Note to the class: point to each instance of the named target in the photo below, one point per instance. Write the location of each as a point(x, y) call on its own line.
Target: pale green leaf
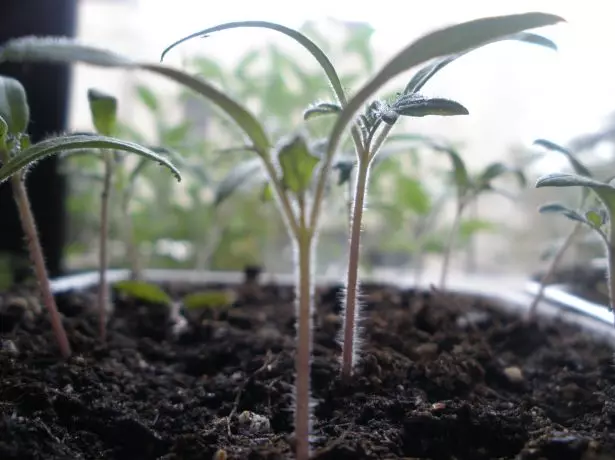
point(141, 290)
point(14, 107)
point(449, 40)
point(56, 145)
point(244, 173)
point(308, 44)
point(103, 108)
point(298, 164)
point(426, 73)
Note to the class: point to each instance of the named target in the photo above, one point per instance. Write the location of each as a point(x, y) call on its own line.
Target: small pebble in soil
point(220, 455)
point(514, 374)
point(9, 347)
point(253, 424)
point(472, 318)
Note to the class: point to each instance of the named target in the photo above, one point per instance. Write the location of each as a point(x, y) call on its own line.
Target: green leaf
point(208, 299)
point(238, 177)
point(557, 208)
point(14, 108)
point(148, 98)
point(141, 290)
point(103, 108)
point(470, 227)
point(266, 193)
point(297, 163)
point(449, 40)
point(578, 167)
point(426, 73)
point(308, 44)
point(419, 106)
point(57, 145)
point(412, 195)
point(605, 192)
point(4, 128)
point(460, 172)
point(321, 108)
point(497, 169)
point(60, 50)
point(595, 218)
point(67, 50)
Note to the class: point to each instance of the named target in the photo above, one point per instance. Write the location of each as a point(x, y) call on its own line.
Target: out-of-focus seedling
point(298, 178)
point(598, 219)
point(470, 188)
point(556, 258)
point(18, 154)
point(211, 303)
point(143, 291)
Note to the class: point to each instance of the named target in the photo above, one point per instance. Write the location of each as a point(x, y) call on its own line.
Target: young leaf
point(419, 106)
point(103, 108)
point(497, 169)
point(426, 73)
point(604, 191)
point(297, 163)
point(557, 208)
point(14, 107)
point(578, 167)
point(449, 40)
point(308, 44)
point(595, 218)
point(470, 227)
point(460, 172)
point(60, 50)
point(238, 177)
point(412, 195)
point(66, 50)
point(57, 145)
point(208, 299)
point(322, 108)
point(141, 290)
point(148, 98)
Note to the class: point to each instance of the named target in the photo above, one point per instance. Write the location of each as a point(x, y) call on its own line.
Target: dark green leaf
point(321, 108)
point(58, 145)
point(449, 40)
point(460, 172)
point(344, 167)
point(497, 169)
point(141, 290)
point(14, 108)
point(308, 44)
point(103, 108)
point(419, 106)
point(242, 174)
point(426, 73)
point(557, 208)
point(298, 164)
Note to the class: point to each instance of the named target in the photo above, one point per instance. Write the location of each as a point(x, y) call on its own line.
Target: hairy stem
point(103, 288)
point(352, 282)
point(303, 264)
point(36, 255)
point(450, 245)
point(552, 267)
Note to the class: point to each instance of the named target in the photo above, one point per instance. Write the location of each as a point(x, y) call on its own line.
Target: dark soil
point(589, 283)
point(442, 378)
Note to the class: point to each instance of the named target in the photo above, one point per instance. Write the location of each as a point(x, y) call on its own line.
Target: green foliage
point(14, 108)
point(103, 108)
point(143, 291)
point(215, 299)
point(297, 165)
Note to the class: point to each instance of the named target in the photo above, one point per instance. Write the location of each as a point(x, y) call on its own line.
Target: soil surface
point(586, 282)
point(442, 377)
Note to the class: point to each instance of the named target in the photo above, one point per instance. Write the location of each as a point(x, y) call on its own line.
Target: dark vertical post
point(47, 87)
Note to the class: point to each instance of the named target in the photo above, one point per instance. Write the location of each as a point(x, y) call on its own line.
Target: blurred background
point(515, 93)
